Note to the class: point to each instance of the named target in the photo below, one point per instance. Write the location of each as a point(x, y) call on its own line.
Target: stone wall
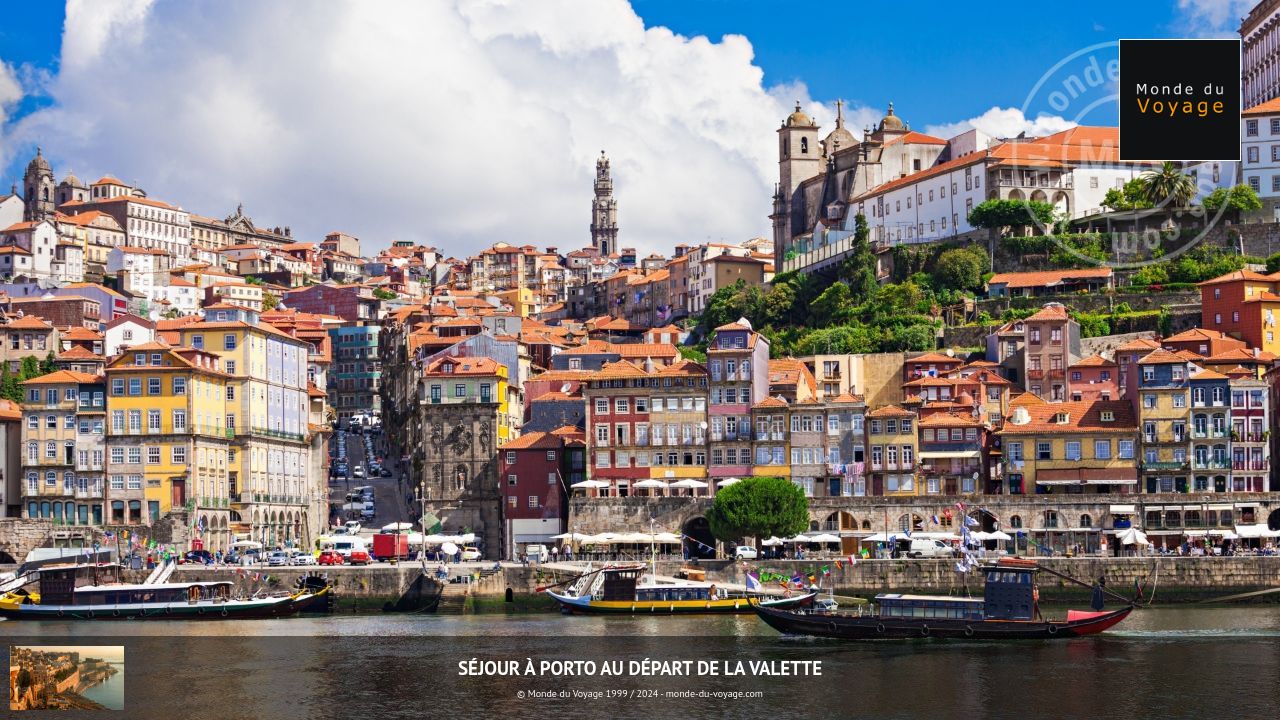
point(19, 536)
point(592, 516)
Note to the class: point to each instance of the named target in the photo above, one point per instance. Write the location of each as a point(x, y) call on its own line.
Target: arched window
point(866, 524)
point(1051, 518)
point(1015, 521)
point(804, 145)
point(1086, 521)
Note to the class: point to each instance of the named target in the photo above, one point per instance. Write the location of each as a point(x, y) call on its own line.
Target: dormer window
point(1108, 416)
point(1061, 418)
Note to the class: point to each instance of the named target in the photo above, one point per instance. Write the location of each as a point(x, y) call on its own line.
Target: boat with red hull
point(1008, 610)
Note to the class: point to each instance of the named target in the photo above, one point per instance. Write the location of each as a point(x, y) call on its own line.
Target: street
point(388, 493)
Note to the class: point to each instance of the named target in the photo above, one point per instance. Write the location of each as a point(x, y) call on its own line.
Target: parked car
point(745, 552)
point(352, 527)
point(357, 472)
point(329, 557)
point(385, 472)
point(536, 553)
point(304, 559)
point(197, 556)
point(359, 557)
point(278, 559)
point(470, 553)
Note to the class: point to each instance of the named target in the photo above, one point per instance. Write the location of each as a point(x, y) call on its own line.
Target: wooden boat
point(94, 592)
point(1008, 610)
point(627, 590)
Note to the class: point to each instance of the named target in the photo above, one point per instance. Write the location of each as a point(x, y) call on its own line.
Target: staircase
point(453, 599)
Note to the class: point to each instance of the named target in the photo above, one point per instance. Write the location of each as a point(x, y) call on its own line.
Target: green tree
point(859, 269)
point(381, 294)
point(694, 353)
point(47, 365)
point(759, 507)
point(1236, 200)
point(1273, 263)
point(1167, 186)
point(30, 368)
point(10, 388)
point(958, 269)
point(833, 307)
point(1131, 197)
point(914, 337)
point(999, 215)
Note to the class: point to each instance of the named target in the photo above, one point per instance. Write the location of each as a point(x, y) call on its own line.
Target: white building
point(40, 241)
point(1260, 155)
point(182, 295)
point(1260, 54)
point(142, 271)
point(11, 207)
point(126, 331)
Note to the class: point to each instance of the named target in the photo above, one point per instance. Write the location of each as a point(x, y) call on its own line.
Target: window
point(153, 455)
point(230, 367)
point(459, 390)
point(153, 421)
point(179, 420)
point(1254, 184)
point(179, 454)
point(642, 405)
point(1251, 128)
point(135, 421)
point(179, 386)
point(602, 406)
point(229, 342)
point(621, 406)
point(1251, 155)
point(117, 386)
point(1102, 449)
point(153, 386)
point(1044, 451)
point(135, 386)
point(602, 458)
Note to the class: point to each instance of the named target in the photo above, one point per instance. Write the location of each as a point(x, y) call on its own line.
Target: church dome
point(798, 117)
point(891, 121)
point(38, 164)
point(73, 181)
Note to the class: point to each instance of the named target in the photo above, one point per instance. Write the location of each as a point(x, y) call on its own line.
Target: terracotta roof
point(1264, 108)
point(28, 322)
point(60, 377)
point(1138, 345)
point(619, 370)
point(1236, 277)
point(1242, 355)
point(934, 357)
point(1050, 312)
point(916, 138)
point(1082, 417)
point(10, 411)
point(1046, 278)
point(1208, 375)
point(847, 398)
point(1093, 361)
point(535, 441)
point(890, 411)
point(930, 381)
point(80, 332)
point(462, 366)
point(771, 402)
point(684, 368)
point(1197, 334)
point(78, 352)
point(1161, 356)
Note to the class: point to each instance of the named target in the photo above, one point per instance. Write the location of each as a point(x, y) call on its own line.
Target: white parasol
point(449, 548)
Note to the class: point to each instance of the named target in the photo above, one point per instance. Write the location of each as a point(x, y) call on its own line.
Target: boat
point(94, 591)
point(1008, 610)
point(627, 589)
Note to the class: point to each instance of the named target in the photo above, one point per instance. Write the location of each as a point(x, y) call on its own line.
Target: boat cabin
point(1010, 592)
point(929, 607)
point(57, 584)
point(167, 593)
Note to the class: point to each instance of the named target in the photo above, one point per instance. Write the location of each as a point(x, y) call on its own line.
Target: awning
point(1124, 508)
point(1089, 476)
point(1220, 507)
point(1195, 533)
point(930, 454)
point(1057, 482)
point(1113, 481)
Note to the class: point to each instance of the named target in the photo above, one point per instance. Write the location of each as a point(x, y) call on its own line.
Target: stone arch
point(1061, 203)
point(7, 559)
point(1273, 520)
point(1086, 520)
point(698, 538)
point(1039, 196)
point(911, 522)
point(839, 520)
point(866, 524)
point(1015, 522)
point(1016, 194)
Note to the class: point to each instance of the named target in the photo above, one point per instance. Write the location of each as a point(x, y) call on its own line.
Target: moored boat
point(628, 590)
point(1008, 610)
point(94, 592)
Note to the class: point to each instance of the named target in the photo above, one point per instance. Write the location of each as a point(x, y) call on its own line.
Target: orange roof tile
point(1082, 417)
point(60, 377)
point(1046, 278)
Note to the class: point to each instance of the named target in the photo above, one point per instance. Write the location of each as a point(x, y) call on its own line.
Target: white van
point(924, 547)
point(344, 545)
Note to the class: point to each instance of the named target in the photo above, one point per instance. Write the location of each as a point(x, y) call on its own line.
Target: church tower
point(799, 158)
point(38, 182)
point(604, 211)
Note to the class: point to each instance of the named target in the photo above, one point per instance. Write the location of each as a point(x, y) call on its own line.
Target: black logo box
point(1187, 68)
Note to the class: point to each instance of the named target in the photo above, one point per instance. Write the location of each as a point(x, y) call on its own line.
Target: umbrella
point(246, 544)
point(825, 538)
point(1132, 536)
point(728, 481)
point(798, 539)
point(397, 527)
point(449, 548)
point(666, 538)
point(998, 535)
point(590, 484)
point(980, 536)
point(772, 542)
point(635, 537)
point(650, 484)
point(688, 483)
point(415, 538)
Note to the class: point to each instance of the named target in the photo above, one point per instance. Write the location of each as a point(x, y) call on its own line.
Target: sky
point(460, 123)
point(110, 653)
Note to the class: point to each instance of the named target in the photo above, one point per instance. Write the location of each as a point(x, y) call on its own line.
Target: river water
point(1191, 661)
point(109, 694)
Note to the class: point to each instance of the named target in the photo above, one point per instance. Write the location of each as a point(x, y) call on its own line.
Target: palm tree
point(1168, 187)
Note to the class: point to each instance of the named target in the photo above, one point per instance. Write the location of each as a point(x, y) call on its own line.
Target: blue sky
point(961, 60)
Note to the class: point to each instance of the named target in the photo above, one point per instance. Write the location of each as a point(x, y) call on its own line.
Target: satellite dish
point(951, 352)
point(154, 314)
point(565, 388)
point(200, 312)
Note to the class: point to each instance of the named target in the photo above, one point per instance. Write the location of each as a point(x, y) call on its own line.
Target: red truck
point(390, 545)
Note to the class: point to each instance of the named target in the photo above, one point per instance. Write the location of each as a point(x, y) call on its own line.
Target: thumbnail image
point(66, 677)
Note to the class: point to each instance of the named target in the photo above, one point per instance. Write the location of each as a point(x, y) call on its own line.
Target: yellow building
point(1078, 447)
point(771, 446)
point(273, 498)
point(892, 450)
point(676, 432)
point(167, 444)
point(523, 301)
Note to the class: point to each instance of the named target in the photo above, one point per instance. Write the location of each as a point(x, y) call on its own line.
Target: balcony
point(1035, 374)
point(1251, 465)
point(1163, 465)
point(1216, 464)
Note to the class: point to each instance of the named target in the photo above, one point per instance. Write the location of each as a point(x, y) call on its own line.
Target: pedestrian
point(553, 553)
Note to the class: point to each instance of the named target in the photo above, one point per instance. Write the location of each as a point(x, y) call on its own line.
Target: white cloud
point(10, 94)
point(1212, 18)
point(454, 123)
point(1004, 123)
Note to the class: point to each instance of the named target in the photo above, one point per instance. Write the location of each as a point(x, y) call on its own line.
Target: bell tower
point(39, 189)
point(604, 211)
point(799, 158)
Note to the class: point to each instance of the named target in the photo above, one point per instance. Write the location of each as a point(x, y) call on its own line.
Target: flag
point(753, 582)
point(108, 534)
point(838, 565)
point(825, 571)
point(960, 506)
point(961, 568)
point(852, 558)
point(935, 520)
point(797, 579)
point(969, 521)
point(812, 578)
